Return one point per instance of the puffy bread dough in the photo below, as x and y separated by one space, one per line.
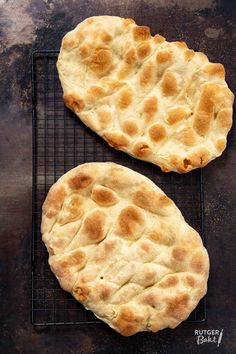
123 248
158 101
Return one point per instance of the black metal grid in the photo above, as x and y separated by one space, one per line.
61 142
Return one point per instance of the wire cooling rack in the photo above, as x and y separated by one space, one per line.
61 142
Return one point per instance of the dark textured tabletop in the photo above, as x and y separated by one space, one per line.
206 25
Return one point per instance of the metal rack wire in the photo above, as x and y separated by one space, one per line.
60 142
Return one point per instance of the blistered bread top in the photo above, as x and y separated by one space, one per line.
156 100
123 248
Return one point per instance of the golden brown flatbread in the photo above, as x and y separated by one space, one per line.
123 248
158 101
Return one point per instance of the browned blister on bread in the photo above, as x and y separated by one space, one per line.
123 248
156 100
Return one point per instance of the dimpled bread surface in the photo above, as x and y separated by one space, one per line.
158 101
123 248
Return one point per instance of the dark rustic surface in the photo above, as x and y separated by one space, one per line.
205 25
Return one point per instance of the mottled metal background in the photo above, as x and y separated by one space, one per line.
206 25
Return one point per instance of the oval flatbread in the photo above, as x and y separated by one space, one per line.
158 101
123 248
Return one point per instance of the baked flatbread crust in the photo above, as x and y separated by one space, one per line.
158 101
123 248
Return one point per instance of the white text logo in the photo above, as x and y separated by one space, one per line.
209 336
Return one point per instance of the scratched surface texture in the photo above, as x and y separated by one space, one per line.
206 25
